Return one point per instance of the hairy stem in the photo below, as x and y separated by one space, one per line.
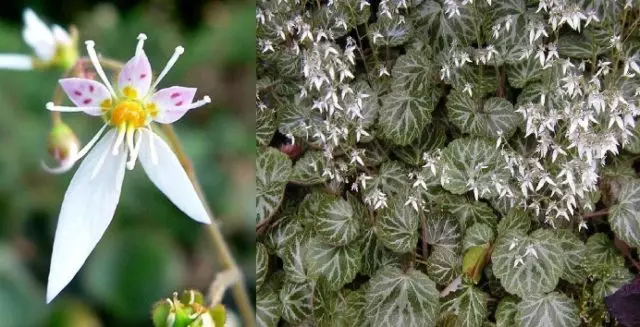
224 254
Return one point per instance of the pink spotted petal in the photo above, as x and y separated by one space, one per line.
172 103
85 93
136 74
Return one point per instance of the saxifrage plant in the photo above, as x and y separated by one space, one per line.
449 163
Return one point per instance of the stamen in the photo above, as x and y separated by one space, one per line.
96 64
141 38
133 154
52 107
122 129
179 50
152 148
130 131
198 103
89 145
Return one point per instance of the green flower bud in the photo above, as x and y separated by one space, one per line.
219 315
63 146
187 311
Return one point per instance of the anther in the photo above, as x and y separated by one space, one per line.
141 38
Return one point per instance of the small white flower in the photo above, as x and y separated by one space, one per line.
591 16
519 261
513 244
360 132
93 194
415 203
495 31
355 156
383 71
530 250
43 40
467 88
377 199
363 178
583 224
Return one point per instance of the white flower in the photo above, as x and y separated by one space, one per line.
377 199
94 191
513 244
518 261
415 203
583 224
530 250
467 88
47 43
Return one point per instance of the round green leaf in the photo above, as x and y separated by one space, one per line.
296 301
337 265
356 308
412 71
266 125
603 257
443 231
443 265
494 118
524 71
397 298
308 169
515 220
532 275
279 236
262 264
478 234
293 256
553 309
468 211
475 159
468 305
397 226
574 250
624 216
433 137
273 169
404 114
506 312
339 224
268 307
375 255
608 285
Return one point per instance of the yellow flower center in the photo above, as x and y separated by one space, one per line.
129 113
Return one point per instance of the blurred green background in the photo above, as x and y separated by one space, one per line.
151 249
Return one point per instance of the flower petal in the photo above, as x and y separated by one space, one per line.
87 210
38 36
172 103
61 35
86 93
134 80
169 176
15 61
